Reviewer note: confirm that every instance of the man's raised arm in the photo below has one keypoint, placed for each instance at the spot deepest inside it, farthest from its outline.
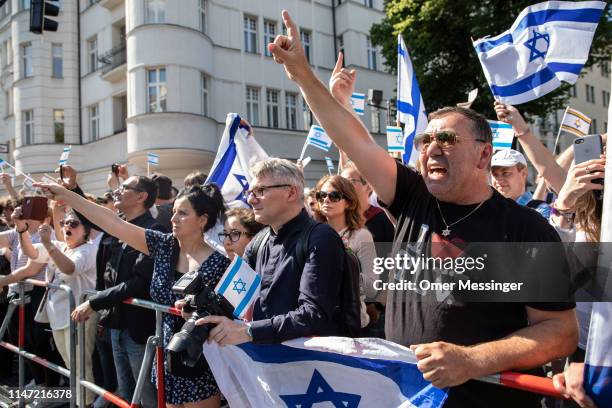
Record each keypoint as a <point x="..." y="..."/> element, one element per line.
<point x="349" y="134"/>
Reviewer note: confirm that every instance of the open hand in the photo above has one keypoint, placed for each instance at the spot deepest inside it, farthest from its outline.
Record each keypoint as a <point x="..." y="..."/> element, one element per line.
<point x="342" y="82"/>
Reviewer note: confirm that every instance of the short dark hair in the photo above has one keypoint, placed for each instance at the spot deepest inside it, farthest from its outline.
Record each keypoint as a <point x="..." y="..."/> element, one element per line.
<point x="164" y="186"/>
<point x="196" y="178"/>
<point x="206" y="199"/>
<point x="480" y="126"/>
<point x="246" y="217"/>
<point x="146" y="185"/>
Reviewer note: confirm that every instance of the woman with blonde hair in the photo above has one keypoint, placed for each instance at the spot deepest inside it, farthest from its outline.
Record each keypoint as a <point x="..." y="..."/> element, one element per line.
<point x="338" y="204"/>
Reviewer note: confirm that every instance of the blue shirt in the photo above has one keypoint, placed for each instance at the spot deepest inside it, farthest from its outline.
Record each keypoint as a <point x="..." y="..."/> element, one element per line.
<point x="543" y="208"/>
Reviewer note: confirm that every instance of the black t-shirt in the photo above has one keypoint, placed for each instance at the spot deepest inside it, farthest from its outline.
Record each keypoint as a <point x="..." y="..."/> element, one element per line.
<point x="379" y="225"/>
<point x="413" y="320"/>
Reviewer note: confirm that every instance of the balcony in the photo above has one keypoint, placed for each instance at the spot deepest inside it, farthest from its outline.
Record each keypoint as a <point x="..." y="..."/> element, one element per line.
<point x="113" y="66"/>
<point x="110" y="4"/>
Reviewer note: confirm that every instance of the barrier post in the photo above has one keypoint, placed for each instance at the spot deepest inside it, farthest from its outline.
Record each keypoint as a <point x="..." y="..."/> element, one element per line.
<point x="82" y="375"/>
<point x="161" y="381"/>
<point x="21" y="343"/>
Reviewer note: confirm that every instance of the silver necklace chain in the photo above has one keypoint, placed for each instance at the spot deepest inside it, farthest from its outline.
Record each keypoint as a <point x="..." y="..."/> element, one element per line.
<point x="446" y="232"/>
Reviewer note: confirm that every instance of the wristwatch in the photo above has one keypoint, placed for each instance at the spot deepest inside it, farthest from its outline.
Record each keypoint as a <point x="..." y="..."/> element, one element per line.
<point x="249" y="330"/>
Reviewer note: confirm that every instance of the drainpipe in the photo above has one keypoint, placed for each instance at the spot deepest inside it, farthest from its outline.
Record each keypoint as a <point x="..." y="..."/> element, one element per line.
<point x="333" y="3"/>
<point x="79" y="109"/>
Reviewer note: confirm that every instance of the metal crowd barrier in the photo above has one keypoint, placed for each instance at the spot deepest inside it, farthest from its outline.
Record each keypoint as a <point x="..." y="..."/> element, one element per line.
<point x="526" y="382"/>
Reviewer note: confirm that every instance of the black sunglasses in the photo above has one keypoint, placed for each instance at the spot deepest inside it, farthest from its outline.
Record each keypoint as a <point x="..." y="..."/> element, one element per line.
<point x="334" y="196"/>
<point x="234" y="235"/>
<point x="70" y="223"/>
<point x="444" y="139"/>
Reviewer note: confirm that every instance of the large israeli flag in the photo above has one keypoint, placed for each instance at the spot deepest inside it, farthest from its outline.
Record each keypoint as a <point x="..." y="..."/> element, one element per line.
<point x="598" y="360"/>
<point x="410" y="107"/>
<point x="548" y="43"/>
<point x="321" y="371"/>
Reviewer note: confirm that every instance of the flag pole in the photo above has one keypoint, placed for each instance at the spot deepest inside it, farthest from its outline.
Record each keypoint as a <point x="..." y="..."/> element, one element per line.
<point x="398" y="155"/>
<point x="20" y="172"/>
<point x="559" y="131"/>
<point x="304" y="149"/>
<point x="148" y="168"/>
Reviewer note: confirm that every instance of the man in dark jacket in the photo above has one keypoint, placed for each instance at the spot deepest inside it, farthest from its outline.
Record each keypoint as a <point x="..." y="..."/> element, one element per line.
<point x="127" y="273"/>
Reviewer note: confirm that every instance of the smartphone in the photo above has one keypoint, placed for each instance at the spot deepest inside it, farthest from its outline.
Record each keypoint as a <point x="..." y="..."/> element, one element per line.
<point x="34" y="208"/>
<point x="115" y="169"/>
<point x="588" y="148"/>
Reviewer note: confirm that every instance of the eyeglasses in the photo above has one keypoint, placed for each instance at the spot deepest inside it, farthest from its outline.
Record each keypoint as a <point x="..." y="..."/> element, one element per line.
<point x="259" y="191"/>
<point x="234" y="235"/>
<point x="123" y="187"/>
<point x="334" y="196"/>
<point x="445" y="139"/>
<point x="70" y="223"/>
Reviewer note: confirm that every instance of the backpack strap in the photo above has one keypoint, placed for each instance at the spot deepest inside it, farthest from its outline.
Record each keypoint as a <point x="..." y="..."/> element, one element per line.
<point x="259" y="240"/>
<point x="301" y="247"/>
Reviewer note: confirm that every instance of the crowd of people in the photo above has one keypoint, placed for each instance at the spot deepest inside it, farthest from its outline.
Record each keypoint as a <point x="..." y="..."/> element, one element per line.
<point x="143" y="235"/>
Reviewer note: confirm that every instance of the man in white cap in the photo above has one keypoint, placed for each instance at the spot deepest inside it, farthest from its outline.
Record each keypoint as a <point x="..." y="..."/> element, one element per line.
<point x="509" y="177"/>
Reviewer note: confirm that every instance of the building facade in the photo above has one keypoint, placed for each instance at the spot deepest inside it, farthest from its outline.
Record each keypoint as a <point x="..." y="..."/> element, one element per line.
<point x="121" y="78"/>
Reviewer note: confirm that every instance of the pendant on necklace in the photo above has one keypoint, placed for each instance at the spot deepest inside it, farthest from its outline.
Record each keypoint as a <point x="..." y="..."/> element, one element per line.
<point x="446" y="232"/>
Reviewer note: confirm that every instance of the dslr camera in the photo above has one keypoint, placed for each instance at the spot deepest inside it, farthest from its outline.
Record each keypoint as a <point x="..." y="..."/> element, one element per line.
<point x="185" y="346"/>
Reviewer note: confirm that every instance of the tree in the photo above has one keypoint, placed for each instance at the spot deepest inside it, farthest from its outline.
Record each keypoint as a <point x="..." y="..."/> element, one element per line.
<point x="438" y="35"/>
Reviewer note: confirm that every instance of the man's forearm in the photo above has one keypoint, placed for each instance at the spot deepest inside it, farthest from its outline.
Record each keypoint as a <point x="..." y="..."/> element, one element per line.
<point x="527" y="348"/>
<point x="543" y="160"/>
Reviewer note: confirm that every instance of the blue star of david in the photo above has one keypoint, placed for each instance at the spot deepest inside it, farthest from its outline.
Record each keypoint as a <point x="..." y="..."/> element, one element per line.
<point x="399" y="138"/>
<point x="320" y="391"/>
<point x="239" y="286"/>
<point x="532" y="44"/>
<point x="245" y="186"/>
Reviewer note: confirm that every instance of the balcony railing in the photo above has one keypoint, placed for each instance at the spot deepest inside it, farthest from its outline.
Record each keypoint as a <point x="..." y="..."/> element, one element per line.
<point x="113" y="59"/>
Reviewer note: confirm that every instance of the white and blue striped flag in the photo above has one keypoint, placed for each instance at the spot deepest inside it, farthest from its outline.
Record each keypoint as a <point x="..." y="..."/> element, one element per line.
<point x="153" y="159"/>
<point x="395" y="139"/>
<point x="321" y="371"/>
<point x="239" y="285"/>
<point x="64" y="157"/>
<point x="410" y="107"/>
<point x="598" y="360"/>
<point x="548" y="43"/>
<point x="318" y="138"/>
<point x="358" y="103"/>
<point x="503" y="134"/>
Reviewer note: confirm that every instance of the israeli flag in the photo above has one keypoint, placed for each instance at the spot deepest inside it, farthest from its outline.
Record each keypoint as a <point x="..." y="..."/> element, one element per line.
<point x="153" y="159"/>
<point x="358" y="103"/>
<point x="318" y="138"/>
<point x="64" y="157"/>
<point x="410" y="107"/>
<point x="239" y="285"/>
<point x="395" y="139"/>
<point x="321" y="371"/>
<point x="503" y="134"/>
<point x="598" y="360"/>
<point x="548" y="43"/>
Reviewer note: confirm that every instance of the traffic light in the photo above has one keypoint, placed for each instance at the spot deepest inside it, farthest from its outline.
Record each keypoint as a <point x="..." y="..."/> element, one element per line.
<point x="38" y="10"/>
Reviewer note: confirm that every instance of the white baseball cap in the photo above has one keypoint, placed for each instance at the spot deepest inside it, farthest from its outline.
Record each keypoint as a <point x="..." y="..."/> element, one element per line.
<point x="508" y="158"/>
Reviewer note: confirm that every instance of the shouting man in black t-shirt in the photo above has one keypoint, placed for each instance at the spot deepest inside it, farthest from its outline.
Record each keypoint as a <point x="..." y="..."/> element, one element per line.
<point x="450" y="202"/>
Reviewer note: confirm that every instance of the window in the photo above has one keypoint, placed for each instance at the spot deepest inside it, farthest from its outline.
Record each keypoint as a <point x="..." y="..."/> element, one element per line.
<point x="204" y="95"/>
<point x="24" y="4"/>
<point x="5" y="10"/>
<point x="605" y="69"/>
<point x="371" y="54"/>
<point x="58" y="61"/>
<point x="594" y="126"/>
<point x="307" y="115"/>
<point x="92" y="54"/>
<point x="252" y="102"/>
<point x="156" y="90"/>
<point x="291" y="110"/>
<point x="156" y="11"/>
<point x="8" y="95"/>
<point x="26" y="52"/>
<point x="605" y="96"/>
<point x="305" y="36"/>
<point x="269" y="35"/>
<point x="28" y="127"/>
<point x="272" y="108"/>
<point x="590" y="93"/>
<point x="7" y="52"/>
<point x="94" y="122"/>
<point x="250" y="34"/>
<point x="202" y="15"/>
<point x="368" y="3"/>
<point x="572" y="91"/>
<point x="58" y="125"/>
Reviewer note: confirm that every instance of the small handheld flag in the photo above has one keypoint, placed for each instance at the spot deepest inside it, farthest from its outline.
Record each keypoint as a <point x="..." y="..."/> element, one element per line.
<point x="153" y="159"/>
<point x="239" y="285"/>
<point x="395" y="139"/>
<point x="503" y="134"/>
<point x="64" y="157"/>
<point x="548" y="43"/>
<point x="330" y="165"/>
<point x="358" y="103"/>
<point x="318" y="138"/>
<point x="576" y="122"/>
<point x="471" y="98"/>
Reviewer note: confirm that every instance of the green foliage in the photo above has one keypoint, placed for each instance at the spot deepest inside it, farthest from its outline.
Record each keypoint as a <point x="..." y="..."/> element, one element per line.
<point x="438" y="35"/>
